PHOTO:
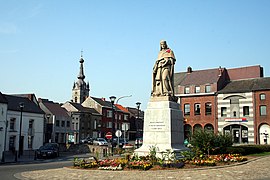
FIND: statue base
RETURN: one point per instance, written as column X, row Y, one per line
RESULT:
column 163, row 128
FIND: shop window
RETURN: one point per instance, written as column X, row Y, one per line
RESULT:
column 208, row 108
column 197, row 109
column 262, row 96
column 246, row 111
column 187, row 90
column 187, row 109
column 263, row 110
column 197, row 89
column 223, row 112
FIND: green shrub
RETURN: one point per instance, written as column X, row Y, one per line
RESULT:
column 207, row 142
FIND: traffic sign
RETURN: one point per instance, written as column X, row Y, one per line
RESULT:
column 108, row 135
column 118, row 133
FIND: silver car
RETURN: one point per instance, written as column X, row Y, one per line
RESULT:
column 100, row 142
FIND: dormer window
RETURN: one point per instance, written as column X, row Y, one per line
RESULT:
column 207, row 88
column 197, row 89
column 187, row 90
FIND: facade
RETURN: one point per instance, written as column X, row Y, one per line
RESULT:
column 24, row 108
column 58, row 122
column 136, row 123
column 104, row 108
column 86, row 121
column 3, row 124
column 80, row 90
column 200, row 95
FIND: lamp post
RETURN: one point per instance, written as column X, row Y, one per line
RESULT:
column 20, row 132
column 112, row 98
column 138, row 115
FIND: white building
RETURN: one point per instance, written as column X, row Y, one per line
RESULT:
column 24, row 109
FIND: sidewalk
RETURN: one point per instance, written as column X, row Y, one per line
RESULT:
column 29, row 157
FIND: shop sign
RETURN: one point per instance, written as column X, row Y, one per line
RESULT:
column 235, row 119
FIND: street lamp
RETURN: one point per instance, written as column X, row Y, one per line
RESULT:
column 112, row 98
column 20, row 133
column 138, row 115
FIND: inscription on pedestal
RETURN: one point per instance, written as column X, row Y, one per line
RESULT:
column 157, row 126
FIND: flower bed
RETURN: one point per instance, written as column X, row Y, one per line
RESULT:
column 144, row 163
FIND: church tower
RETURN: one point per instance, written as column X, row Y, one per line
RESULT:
column 80, row 90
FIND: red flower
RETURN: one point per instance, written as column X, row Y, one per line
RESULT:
column 168, row 50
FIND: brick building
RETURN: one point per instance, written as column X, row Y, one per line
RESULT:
column 198, row 94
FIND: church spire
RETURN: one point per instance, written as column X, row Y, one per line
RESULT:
column 80, row 90
column 81, row 74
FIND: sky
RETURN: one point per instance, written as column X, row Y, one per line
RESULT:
column 41, row 43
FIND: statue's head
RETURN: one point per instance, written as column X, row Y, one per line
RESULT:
column 163, row 44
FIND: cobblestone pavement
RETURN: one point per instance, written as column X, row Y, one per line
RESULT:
column 254, row 169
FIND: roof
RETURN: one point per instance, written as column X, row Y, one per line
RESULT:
column 55, row 108
column 122, row 108
column 104, row 103
column 199, row 77
column 29, row 106
column 81, row 108
column 178, row 78
column 134, row 112
column 3, row 99
column 246, row 85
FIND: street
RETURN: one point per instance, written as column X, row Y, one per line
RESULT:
column 10, row 170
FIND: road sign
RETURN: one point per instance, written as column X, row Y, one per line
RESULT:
column 108, row 135
column 118, row 133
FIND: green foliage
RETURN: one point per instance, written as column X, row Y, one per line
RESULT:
column 207, row 142
column 248, row 149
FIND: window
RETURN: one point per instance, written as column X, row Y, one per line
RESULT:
column 186, row 90
column 263, row 110
column 223, row 112
column 262, row 96
column 63, row 123
column 68, row 123
column 109, row 124
column 57, row 123
column 31, row 124
column 125, row 117
column 246, row 111
column 109, row 113
column 197, row 89
column 207, row 88
column 12, row 124
column 197, row 109
column 208, row 108
column 187, row 109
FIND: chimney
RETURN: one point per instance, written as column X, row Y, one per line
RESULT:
column 103, row 99
column 189, row 69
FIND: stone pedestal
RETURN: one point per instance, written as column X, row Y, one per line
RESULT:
column 163, row 127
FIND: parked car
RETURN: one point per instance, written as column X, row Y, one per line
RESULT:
column 122, row 142
column 47, row 152
column 55, row 146
column 100, row 142
column 88, row 140
column 138, row 142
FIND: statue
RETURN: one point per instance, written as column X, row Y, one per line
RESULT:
column 163, row 71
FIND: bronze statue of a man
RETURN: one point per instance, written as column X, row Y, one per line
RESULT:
column 163, row 72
